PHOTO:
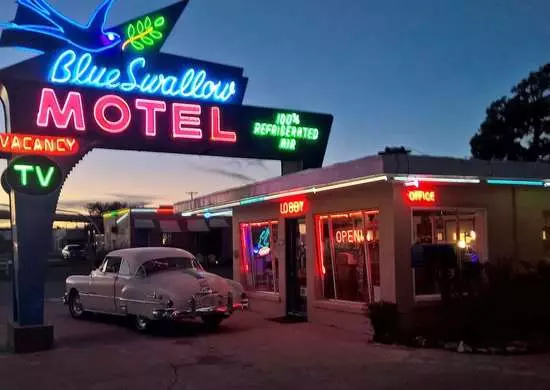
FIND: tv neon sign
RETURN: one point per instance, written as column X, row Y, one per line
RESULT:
column 185, row 118
column 70, row 68
column 33, row 175
column 36, row 144
column 288, row 129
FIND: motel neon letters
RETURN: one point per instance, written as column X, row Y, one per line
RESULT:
column 114, row 115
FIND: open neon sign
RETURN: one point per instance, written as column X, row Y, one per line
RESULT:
column 70, row 68
column 185, row 118
column 349, row 236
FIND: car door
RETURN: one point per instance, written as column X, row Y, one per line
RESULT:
column 103, row 285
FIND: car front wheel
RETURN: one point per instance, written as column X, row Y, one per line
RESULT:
column 142, row 324
column 212, row 322
column 75, row 306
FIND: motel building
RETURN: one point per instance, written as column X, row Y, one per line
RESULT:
column 324, row 243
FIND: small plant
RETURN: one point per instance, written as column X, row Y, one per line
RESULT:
column 384, row 319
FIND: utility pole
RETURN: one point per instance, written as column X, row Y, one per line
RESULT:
column 192, row 194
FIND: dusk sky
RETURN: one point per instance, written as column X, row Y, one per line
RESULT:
column 413, row 73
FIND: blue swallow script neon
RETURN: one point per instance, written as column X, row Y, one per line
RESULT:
column 79, row 69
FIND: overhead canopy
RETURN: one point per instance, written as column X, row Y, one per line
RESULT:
column 197, row 225
column 218, row 223
column 170, row 226
column 144, row 224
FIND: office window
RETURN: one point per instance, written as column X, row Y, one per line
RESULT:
column 441, row 236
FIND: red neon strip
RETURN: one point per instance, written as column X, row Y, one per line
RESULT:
column 256, row 224
column 321, row 255
column 181, row 120
column 50, row 107
column 244, row 248
column 38, row 144
column 151, row 107
column 113, row 127
column 216, row 133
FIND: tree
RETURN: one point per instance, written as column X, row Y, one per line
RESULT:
column 518, row 127
column 394, row 150
column 96, row 209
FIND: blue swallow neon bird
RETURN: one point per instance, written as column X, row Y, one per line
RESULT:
column 91, row 37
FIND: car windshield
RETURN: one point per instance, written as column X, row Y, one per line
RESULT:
column 73, row 246
column 170, row 264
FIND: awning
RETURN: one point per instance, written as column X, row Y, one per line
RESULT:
column 169, row 226
column 197, row 225
column 144, row 224
column 218, row 223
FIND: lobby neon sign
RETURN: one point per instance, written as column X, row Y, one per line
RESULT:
column 80, row 69
column 186, row 120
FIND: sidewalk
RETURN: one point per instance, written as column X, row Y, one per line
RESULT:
column 249, row 352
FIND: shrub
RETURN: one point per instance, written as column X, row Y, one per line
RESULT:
column 384, row 319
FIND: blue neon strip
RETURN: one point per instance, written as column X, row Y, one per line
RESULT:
column 536, row 183
column 79, row 69
column 90, row 37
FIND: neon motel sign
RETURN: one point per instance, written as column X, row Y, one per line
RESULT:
column 185, row 117
column 420, row 196
column 349, row 236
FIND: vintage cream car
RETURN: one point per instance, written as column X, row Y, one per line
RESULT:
column 154, row 284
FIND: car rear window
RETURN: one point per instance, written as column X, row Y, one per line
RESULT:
column 169, row 264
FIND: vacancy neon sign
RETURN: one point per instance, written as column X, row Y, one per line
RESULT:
column 37, row 144
column 114, row 114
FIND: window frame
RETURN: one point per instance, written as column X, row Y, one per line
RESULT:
column 457, row 210
column 104, row 265
column 319, row 221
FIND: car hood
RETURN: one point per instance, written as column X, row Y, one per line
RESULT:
column 183, row 283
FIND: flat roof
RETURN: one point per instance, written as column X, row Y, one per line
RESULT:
column 388, row 165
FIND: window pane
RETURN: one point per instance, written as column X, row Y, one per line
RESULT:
column 261, row 265
column 345, row 243
column 445, row 239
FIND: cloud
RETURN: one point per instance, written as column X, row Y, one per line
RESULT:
column 219, row 171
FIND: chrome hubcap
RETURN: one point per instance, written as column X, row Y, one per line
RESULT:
column 77, row 306
column 141, row 322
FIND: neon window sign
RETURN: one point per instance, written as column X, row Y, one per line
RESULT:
column 349, row 236
column 70, row 68
column 262, row 245
column 288, row 129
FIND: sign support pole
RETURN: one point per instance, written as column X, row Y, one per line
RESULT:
column 32, row 219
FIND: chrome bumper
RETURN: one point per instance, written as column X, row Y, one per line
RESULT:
column 195, row 309
column 66, row 298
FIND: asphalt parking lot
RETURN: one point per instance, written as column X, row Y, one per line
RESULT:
column 248, row 352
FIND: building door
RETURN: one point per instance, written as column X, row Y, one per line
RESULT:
column 296, row 276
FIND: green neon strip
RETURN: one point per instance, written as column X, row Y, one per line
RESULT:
column 252, row 200
column 23, row 170
column 144, row 33
column 44, row 181
column 535, row 183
